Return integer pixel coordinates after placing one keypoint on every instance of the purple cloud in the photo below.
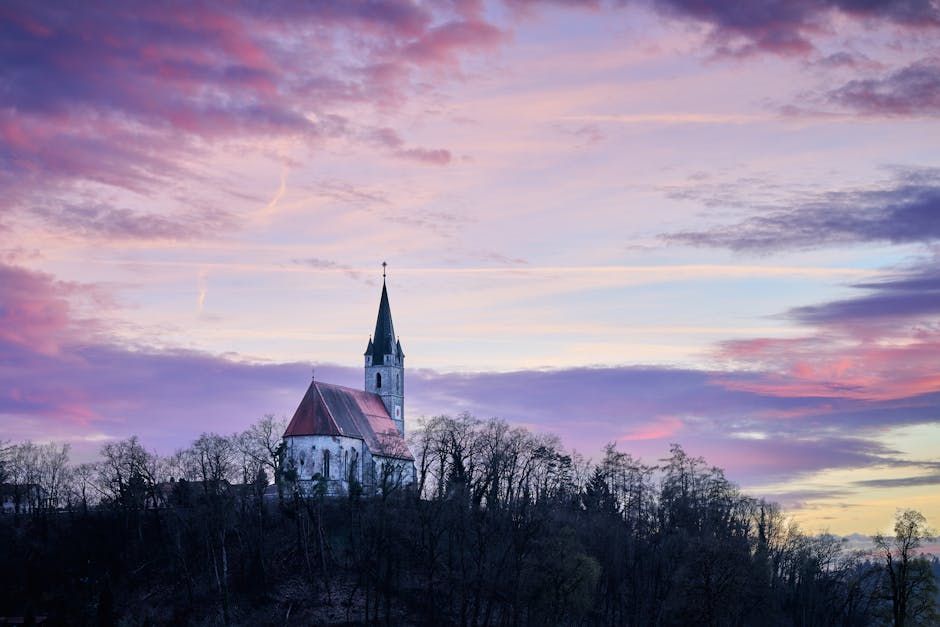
(157, 62)
(389, 138)
(878, 352)
(442, 43)
(846, 59)
(112, 93)
(901, 482)
(168, 397)
(98, 220)
(782, 27)
(788, 27)
(905, 211)
(121, 94)
(757, 436)
(912, 295)
(64, 377)
(326, 264)
(117, 94)
(911, 90)
(36, 311)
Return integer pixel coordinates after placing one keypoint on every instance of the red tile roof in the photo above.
(328, 409)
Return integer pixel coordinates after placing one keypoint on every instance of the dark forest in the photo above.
(504, 527)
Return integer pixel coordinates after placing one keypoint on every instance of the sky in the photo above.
(639, 222)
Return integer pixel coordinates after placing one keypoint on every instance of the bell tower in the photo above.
(385, 362)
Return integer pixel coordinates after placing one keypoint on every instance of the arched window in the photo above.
(353, 459)
(326, 463)
(378, 379)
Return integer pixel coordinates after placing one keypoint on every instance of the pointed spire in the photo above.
(383, 341)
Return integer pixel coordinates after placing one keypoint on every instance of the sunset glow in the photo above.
(638, 222)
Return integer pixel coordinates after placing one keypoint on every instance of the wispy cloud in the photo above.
(271, 207)
(390, 139)
(789, 28)
(903, 296)
(203, 284)
(901, 482)
(904, 210)
(327, 265)
(672, 118)
(102, 221)
(910, 90)
(883, 344)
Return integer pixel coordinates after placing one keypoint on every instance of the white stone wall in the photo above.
(306, 454)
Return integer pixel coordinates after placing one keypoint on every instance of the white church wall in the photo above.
(306, 454)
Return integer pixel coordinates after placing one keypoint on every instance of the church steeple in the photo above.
(385, 362)
(383, 343)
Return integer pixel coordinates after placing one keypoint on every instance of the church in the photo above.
(341, 438)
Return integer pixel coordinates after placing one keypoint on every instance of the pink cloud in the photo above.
(911, 90)
(839, 365)
(443, 43)
(390, 139)
(659, 428)
(781, 27)
(35, 312)
(827, 366)
(123, 95)
(62, 375)
(882, 344)
(790, 27)
(437, 156)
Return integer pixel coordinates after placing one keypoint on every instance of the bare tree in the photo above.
(262, 441)
(127, 474)
(24, 475)
(910, 583)
(178, 466)
(6, 453)
(82, 484)
(53, 469)
(260, 447)
(213, 458)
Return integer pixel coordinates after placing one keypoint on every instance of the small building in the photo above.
(340, 438)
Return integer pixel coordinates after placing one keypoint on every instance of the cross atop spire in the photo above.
(384, 265)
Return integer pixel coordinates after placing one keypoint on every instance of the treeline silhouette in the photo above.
(504, 527)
